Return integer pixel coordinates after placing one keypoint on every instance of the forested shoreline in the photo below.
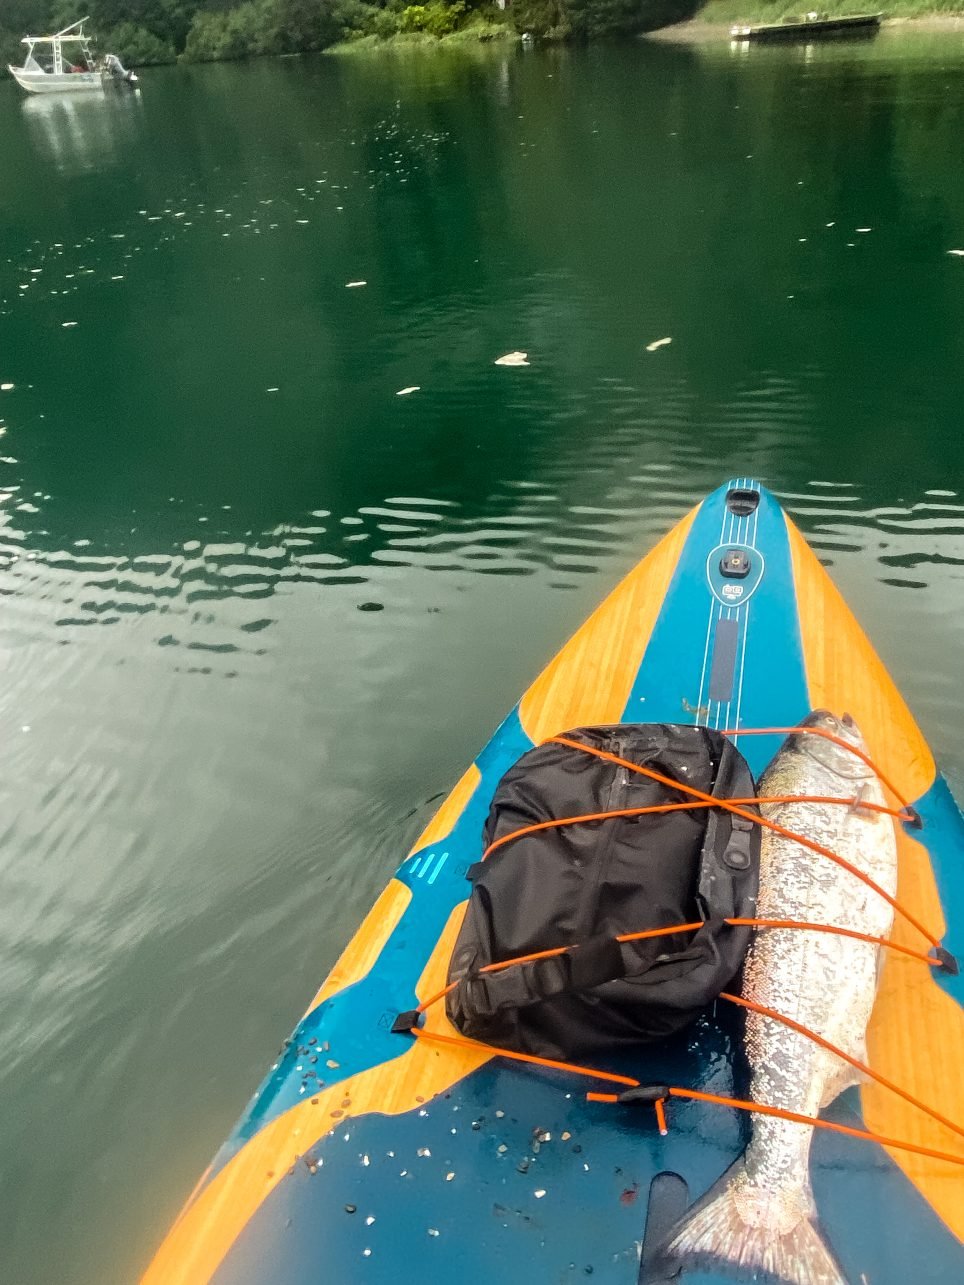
(146, 32)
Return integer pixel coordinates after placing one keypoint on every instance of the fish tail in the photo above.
(741, 1232)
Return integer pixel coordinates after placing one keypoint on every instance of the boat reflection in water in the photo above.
(81, 132)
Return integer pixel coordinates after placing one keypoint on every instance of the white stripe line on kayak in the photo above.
(745, 538)
(706, 652)
(739, 692)
(746, 617)
(735, 536)
(740, 534)
(716, 721)
(739, 537)
(438, 866)
(706, 645)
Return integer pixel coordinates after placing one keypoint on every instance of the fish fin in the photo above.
(735, 1230)
(844, 1076)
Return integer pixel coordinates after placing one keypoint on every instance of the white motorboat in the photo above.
(50, 68)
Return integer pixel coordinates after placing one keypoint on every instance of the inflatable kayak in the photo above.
(370, 1155)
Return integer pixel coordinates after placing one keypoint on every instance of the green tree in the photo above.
(136, 46)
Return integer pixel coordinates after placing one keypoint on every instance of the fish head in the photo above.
(831, 742)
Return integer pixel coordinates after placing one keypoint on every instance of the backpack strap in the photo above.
(598, 960)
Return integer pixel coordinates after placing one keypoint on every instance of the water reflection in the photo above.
(83, 132)
(212, 743)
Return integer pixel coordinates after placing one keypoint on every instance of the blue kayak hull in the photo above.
(371, 1156)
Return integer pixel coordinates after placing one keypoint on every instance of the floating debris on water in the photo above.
(513, 359)
(272, 390)
(6, 388)
(412, 388)
(658, 343)
(863, 229)
(539, 1194)
(353, 285)
(959, 254)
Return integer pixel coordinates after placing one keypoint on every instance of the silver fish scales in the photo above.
(760, 1222)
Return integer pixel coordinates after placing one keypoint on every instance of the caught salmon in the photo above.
(759, 1222)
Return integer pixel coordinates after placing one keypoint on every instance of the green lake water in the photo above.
(258, 611)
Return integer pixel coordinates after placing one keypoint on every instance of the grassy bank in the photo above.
(479, 33)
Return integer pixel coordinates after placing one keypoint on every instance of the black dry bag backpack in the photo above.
(586, 883)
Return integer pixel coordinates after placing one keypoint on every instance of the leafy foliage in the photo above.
(154, 31)
(435, 18)
(240, 32)
(136, 46)
(595, 19)
(549, 19)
